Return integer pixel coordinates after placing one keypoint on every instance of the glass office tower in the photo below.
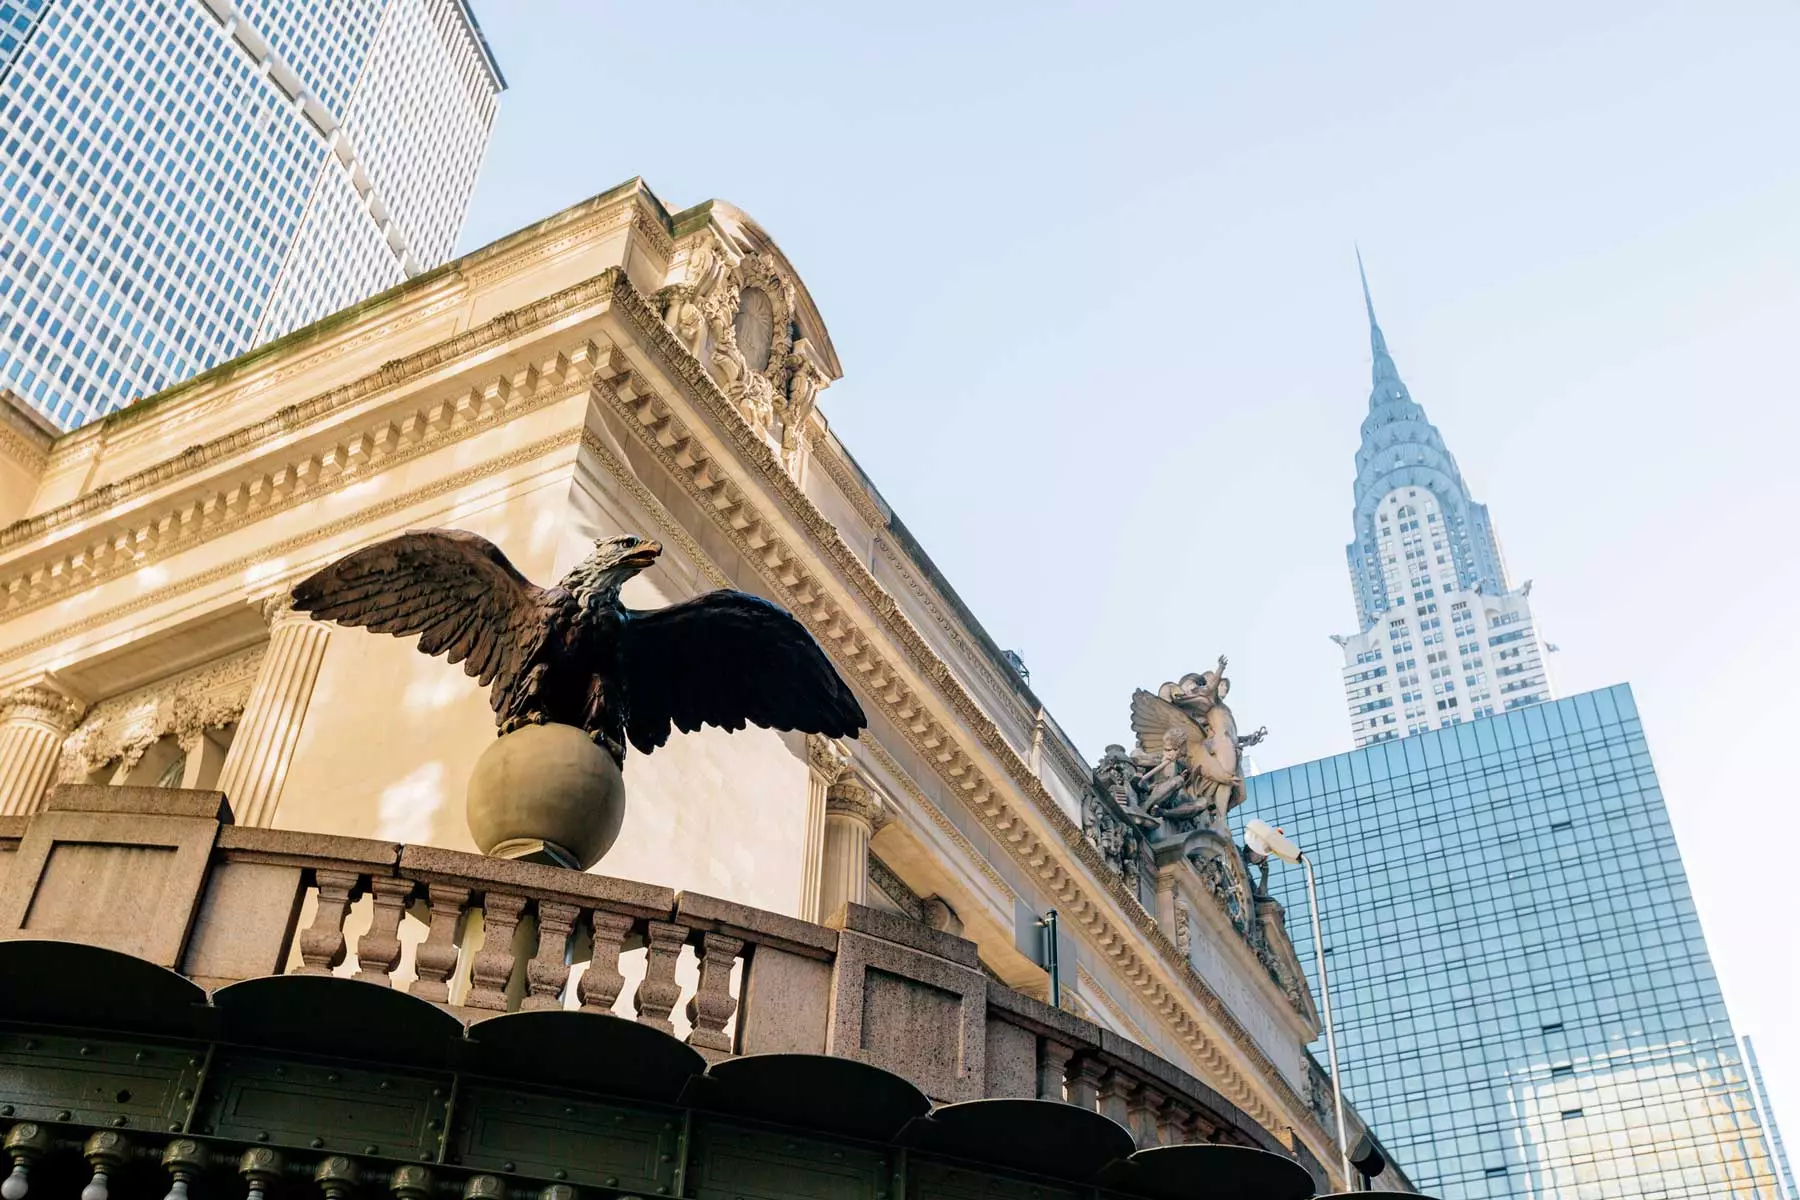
(181, 180)
(1524, 1001)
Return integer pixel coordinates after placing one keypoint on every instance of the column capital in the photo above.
(828, 758)
(850, 797)
(277, 608)
(44, 701)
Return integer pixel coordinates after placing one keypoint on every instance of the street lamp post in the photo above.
(1265, 839)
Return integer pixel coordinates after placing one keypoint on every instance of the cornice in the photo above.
(937, 816)
(263, 490)
(664, 434)
(298, 544)
(828, 454)
(932, 603)
(314, 410)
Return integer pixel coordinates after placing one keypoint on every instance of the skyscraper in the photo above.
(1788, 1190)
(1442, 635)
(1524, 1000)
(181, 180)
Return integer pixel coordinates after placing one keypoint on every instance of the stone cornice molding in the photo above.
(664, 433)
(829, 454)
(315, 410)
(301, 544)
(262, 488)
(17, 447)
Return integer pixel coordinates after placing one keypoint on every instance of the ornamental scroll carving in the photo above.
(117, 732)
(735, 310)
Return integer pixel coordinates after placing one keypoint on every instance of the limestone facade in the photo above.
(614, 368)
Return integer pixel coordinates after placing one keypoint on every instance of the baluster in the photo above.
(1173, 1123)
(378, 950)
(658, 991)
(1116, 1091)
(435, 959)
(492, 968)
(1053, 1068)
(546, 974)
(1084, 1083)
(713, 1004)
(601, 983)
(1146, 1117)
(322, 946)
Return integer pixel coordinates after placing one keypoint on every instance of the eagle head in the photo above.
(604, 571)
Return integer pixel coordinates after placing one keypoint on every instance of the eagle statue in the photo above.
(574, 655)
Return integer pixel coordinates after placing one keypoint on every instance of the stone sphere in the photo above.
(546, 793)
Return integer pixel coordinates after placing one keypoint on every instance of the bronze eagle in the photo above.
(574, 655)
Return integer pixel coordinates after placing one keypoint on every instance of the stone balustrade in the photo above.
(164, 875)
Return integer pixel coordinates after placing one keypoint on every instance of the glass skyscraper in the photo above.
(181, 180)
(1524, 1001)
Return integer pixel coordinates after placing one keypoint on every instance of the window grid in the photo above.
(1525, 1003)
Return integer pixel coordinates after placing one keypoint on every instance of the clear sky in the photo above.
(1090, 273)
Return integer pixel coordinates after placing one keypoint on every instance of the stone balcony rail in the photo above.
(163, 875)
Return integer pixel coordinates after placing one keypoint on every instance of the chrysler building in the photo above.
(1443, 636)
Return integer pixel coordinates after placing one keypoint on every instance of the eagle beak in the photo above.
(645, 554)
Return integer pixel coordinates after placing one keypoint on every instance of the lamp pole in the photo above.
(1265, 839)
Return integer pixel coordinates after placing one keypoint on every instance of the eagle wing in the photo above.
(455, 589)
(728, 659)
(1152, 716)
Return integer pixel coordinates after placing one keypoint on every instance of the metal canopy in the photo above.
(815, 1091)
(1045, 1137)
(71, 985)
(342, 1018)
(581, 1051)
(1212, 1172)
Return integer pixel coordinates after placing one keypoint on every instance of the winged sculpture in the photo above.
(573, 654)
(1189, 723)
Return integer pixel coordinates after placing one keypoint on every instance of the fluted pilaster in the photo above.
(35, 719)
(263, 746)
(826, 762)
(850, 817)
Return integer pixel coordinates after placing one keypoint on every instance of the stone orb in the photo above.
(548, 794)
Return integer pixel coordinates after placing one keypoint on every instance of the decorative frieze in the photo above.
(117, 731)
(251, 496)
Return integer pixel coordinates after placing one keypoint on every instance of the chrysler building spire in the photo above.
(1429, 582)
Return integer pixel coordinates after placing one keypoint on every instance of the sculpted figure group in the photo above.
(1185, 771)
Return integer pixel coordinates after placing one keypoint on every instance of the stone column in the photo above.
(35, 719)
(263, 745)
(850, 816)
(826, 762)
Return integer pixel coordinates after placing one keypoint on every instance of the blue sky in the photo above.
(1090, 273)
